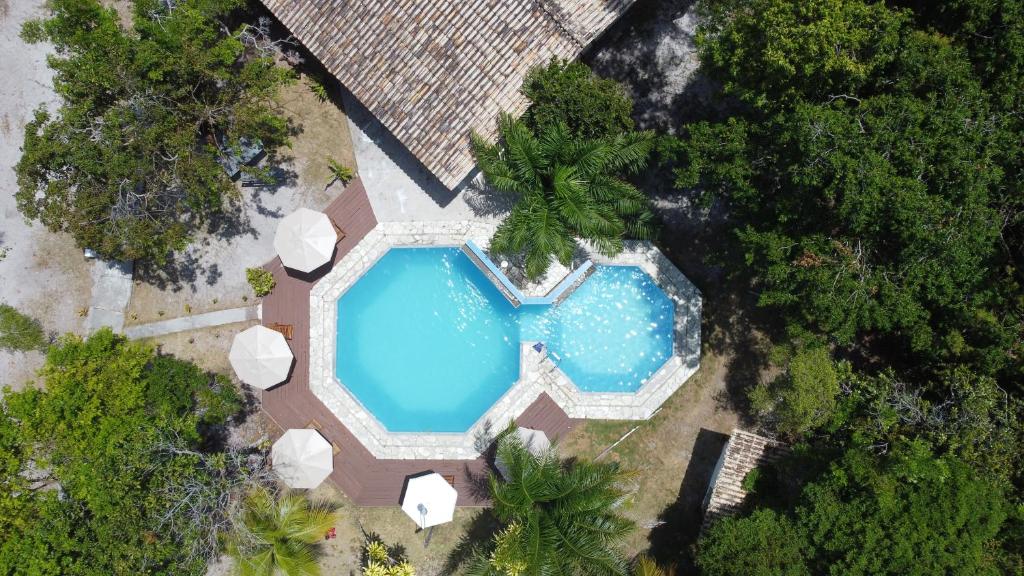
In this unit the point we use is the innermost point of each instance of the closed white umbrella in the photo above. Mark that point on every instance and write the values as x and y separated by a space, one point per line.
302 458
305 240
536 441
429 500
261 357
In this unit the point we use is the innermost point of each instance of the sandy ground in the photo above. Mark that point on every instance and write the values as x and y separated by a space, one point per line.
652 52
43 274
210 275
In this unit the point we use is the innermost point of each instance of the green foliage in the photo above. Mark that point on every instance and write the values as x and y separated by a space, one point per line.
95 433
567 92
20 332
871 176
280 534
317 85
645 566
262 281
805 396
750 481
565 189
127 164
559 517
762 544
340 172
910 513
965 415
380 560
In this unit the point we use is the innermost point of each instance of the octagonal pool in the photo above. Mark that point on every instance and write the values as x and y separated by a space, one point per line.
427 343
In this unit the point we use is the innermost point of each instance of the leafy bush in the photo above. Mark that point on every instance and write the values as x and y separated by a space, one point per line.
20 332
379 559
762 544
340 172
805 396
750 481
262 281
568 92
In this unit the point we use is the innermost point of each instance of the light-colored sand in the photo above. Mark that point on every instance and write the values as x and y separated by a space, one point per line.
43 274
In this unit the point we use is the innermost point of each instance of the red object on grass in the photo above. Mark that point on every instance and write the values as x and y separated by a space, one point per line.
330 534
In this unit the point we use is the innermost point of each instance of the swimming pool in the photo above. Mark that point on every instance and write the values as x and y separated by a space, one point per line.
427 343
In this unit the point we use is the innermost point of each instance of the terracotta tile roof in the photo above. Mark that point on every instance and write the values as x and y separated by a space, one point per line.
743 453
432 70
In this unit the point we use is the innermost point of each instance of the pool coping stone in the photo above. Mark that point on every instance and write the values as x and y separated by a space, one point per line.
537 372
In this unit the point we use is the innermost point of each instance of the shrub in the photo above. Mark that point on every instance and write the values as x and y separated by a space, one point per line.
20 332
339 172
379 559
261 280
569 93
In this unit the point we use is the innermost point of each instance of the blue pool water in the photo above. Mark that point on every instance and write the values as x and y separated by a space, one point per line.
427 343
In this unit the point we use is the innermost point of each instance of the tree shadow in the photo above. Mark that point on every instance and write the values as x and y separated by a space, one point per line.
477 538
484 201
671 542
651 50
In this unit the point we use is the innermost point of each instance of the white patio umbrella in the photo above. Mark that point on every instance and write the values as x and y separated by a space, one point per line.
261 357
429 500
302 458
305 240
536 441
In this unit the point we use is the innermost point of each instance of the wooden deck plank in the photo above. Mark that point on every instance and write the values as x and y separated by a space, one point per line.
367 480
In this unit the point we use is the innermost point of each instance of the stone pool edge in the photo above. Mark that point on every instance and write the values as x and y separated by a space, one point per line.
537 373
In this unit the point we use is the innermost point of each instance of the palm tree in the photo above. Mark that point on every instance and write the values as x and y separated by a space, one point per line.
280 536
566 189
560 518
645 566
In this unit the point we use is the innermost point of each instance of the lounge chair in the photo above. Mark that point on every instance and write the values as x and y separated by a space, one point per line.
287 330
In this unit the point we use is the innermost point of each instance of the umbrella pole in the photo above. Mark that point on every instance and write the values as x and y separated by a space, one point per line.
430 532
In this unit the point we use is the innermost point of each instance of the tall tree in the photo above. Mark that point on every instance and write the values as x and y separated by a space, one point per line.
128 163
565 189
560 517
87 488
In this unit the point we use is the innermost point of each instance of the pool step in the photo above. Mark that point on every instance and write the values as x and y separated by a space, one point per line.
559 292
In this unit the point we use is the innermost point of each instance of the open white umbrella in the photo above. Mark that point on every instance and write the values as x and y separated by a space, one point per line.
536 441
302 458
429 500
305 240
261 357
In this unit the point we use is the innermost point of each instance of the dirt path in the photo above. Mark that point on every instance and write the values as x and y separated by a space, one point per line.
43 274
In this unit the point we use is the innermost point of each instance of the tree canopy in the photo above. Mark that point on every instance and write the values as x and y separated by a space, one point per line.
871 177
569 93
908 513
128 164
90 463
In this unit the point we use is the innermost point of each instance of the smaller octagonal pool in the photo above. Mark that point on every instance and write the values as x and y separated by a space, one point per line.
427 343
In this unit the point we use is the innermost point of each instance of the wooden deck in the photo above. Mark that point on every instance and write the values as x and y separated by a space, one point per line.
368 481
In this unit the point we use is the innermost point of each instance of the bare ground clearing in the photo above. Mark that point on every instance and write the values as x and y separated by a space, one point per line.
43 274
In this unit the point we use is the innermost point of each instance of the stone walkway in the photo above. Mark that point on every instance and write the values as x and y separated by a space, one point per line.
111 291
207 320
